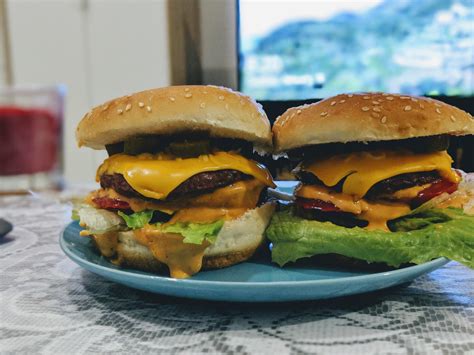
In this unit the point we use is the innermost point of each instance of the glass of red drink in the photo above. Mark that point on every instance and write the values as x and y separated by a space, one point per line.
31 138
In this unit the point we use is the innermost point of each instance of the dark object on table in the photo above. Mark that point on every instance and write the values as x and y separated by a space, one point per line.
5 227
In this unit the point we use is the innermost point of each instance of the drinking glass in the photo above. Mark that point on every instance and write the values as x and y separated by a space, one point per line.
31 138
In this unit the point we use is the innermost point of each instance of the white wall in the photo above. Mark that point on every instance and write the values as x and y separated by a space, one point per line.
3 45
219 42
99 49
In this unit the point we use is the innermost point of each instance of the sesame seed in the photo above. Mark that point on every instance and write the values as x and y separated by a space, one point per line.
172 99
438 110
202 105
342 101
376 102
390 98
407 108
186 89
221 97
383 119
323 114
333 103
148 108
119 111
366 97
105 107
188 95
384 94
292 115
404 98
365 108
377 109
350 95
227 106
437 104
422 106
453 118
298 112
141 104
128 107
414 100
375 114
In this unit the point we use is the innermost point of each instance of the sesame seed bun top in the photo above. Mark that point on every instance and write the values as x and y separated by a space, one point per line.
366 117
219 111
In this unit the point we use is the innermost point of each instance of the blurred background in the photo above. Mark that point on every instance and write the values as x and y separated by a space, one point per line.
321 48
281 52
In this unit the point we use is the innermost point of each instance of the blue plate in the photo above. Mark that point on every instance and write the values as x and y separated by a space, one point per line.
251 281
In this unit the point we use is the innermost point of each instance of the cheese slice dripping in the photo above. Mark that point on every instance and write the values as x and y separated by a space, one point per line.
376 213
106 243
156 176
363 170
182 259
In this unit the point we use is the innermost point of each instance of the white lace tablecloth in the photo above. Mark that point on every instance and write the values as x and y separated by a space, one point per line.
50 305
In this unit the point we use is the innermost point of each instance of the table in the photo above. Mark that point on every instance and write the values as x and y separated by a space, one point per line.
50 305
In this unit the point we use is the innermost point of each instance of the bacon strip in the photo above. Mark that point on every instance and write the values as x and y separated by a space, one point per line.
108 203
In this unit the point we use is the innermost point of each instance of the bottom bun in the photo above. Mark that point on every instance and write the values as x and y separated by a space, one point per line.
236 242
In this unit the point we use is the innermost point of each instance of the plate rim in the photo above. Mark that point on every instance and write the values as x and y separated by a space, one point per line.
436 263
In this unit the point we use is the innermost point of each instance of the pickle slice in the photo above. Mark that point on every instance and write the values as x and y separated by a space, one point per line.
429 144
141 144
188 149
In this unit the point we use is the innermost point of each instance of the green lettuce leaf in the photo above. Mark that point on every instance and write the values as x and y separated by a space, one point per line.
196 233
138 219
417 238
75 215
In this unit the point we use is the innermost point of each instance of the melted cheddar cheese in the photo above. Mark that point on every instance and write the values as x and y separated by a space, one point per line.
406 195
156 176
362 170
182 259
106 243
227 202
376 213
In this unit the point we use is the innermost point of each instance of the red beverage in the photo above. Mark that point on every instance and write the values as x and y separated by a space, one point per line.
29 140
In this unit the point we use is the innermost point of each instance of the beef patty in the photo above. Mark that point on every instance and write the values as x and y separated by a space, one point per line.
403 181
195 185
343 219
387 186
384 187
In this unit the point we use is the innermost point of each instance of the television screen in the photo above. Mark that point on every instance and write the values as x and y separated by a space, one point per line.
292 50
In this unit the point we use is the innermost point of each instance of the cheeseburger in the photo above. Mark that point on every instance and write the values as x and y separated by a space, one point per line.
180 190
376 182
